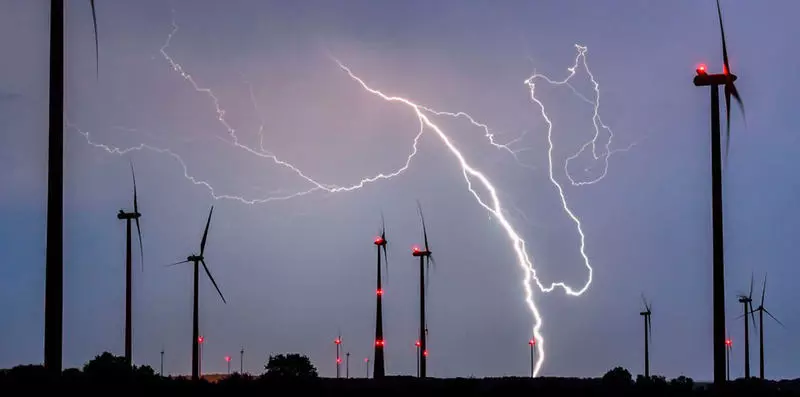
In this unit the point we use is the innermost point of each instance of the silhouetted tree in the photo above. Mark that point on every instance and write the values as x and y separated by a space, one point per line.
618 378
290 365
682 383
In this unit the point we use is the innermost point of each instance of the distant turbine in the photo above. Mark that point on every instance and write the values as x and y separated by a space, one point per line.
647 333
425 259
761 310
379 366
128 216
338 342
726 79
747 301
198 259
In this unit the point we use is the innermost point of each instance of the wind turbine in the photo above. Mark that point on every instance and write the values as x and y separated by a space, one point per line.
425 259
197 260
761 310
54 251
128 216
747 302
726 79
647 331
378 368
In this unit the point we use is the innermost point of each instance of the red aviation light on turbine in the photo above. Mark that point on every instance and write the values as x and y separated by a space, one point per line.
728 342
379 342
338 360
417 344
228 358
425 353
415 249
701 69
366 360
337 341
379 291
532 342
379 240
200 339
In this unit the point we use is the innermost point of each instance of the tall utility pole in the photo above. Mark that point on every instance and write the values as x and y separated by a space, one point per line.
718 273
54 270
338 342
532 344
728 346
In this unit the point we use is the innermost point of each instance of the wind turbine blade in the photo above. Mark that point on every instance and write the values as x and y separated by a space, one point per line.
431 261
774 318
644 301
176 263
752 281
727 119
212 280
763 290
650 327
205 233
753 316
386 262
424 230
725 65
136 212
96 42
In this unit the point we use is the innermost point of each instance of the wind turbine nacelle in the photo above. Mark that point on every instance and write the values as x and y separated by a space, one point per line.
704 79
418 252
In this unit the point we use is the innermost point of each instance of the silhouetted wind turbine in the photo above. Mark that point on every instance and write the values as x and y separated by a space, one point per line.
128 216
54 251
726 79
197 260
761 310
425 259
747 302
378 368
647 331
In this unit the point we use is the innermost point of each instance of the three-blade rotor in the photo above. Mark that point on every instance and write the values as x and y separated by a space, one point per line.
96 41
730 88
383 244
647 314
201 259
136 215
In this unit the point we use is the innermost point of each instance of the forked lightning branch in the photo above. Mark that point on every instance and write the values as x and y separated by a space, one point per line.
491 202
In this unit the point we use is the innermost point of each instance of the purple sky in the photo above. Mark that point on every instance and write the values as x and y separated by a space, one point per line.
296 272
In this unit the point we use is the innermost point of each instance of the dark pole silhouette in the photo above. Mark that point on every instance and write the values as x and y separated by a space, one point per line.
228 361
728 347
726 79
54 259
347 365
761 310
197 260
162 362
200 341
241 361
417 354
647 330
338 342
366 374
532 344
128 217
379 366
746 301
425 260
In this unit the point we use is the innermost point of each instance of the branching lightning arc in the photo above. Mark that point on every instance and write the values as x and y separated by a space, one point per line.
424 114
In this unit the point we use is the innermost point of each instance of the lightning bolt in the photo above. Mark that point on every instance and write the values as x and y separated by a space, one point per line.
492 204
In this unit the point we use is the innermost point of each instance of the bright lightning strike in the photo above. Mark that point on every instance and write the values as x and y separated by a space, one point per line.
471 175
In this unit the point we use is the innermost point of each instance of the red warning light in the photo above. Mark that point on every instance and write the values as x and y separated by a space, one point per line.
228 358
415 248
425 353
379 292
338 360
366 360
728 342
701 69
337 341
532 342
379 342
417 344
200 339
378 240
